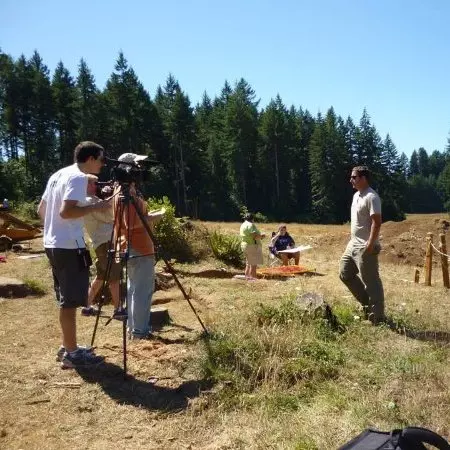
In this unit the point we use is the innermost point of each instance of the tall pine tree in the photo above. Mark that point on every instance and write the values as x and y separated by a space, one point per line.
65 97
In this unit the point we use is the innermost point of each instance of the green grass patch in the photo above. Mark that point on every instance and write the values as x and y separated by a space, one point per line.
37 287
280 348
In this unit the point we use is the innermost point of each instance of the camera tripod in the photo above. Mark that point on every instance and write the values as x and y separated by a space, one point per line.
123 210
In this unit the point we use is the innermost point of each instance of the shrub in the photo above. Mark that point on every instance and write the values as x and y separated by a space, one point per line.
170 233
26 210
227 249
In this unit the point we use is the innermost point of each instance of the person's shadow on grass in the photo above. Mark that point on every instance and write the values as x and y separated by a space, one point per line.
140 393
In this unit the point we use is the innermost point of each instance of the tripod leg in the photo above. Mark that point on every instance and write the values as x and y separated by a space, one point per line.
110 260
102 296
124 345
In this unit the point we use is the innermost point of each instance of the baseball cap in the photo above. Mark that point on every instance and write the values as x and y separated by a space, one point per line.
131 158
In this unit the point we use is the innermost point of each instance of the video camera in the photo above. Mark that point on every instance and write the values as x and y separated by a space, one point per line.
126 173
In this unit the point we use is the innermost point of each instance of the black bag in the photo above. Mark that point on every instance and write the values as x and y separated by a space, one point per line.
410 438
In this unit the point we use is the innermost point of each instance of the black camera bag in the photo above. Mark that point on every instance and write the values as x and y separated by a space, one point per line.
410 438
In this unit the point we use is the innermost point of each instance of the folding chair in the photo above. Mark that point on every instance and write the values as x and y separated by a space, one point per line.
272 259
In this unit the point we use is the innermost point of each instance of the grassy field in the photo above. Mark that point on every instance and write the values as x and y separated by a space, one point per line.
268 376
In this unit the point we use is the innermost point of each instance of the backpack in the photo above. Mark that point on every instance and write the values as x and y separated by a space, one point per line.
410 438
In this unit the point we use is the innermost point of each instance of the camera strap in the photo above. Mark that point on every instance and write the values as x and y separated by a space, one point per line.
84 256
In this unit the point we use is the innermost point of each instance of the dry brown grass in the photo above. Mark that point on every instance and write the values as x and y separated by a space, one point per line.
385 380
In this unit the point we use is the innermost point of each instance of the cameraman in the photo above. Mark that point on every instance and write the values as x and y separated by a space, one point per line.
131 233
65 247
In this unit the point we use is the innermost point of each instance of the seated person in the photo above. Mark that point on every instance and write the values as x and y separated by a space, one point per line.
282 240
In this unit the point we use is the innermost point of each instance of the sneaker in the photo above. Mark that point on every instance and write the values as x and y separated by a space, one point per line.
80 359
88 311
62 350
142 337
120 314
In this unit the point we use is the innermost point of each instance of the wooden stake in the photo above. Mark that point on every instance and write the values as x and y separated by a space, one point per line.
416 276
444 260
428 259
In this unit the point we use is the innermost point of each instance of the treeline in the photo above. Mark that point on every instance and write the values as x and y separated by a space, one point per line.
211 159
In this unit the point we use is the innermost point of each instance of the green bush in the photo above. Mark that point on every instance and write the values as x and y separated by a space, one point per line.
227 249
170 232
26 210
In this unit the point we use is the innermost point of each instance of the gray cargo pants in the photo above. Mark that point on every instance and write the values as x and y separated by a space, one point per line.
367 288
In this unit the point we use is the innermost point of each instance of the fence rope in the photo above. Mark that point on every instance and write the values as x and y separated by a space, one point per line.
438 251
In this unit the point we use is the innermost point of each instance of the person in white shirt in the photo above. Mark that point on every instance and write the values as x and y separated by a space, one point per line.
361 255
65 247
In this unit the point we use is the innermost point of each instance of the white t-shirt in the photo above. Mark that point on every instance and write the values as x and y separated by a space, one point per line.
99 224
365 204
68 183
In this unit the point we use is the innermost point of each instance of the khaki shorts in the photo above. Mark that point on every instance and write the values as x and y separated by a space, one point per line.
253 254
101 264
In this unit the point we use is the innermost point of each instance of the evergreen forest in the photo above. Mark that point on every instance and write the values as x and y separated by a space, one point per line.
212 159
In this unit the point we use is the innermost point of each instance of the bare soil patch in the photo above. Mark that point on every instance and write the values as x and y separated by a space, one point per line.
404 242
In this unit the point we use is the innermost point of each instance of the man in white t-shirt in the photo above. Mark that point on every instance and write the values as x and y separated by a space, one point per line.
65 247
361 255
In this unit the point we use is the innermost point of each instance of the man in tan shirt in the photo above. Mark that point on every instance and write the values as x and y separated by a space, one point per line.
361 255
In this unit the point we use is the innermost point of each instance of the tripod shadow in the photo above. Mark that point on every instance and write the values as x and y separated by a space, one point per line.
164 328
439 337
177 340
140 393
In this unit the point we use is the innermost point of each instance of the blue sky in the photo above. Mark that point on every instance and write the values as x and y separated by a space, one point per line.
389 56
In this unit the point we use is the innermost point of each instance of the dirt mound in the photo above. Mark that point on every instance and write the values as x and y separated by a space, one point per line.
405 242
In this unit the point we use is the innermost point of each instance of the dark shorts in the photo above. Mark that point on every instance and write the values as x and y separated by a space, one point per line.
101 264
70 278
